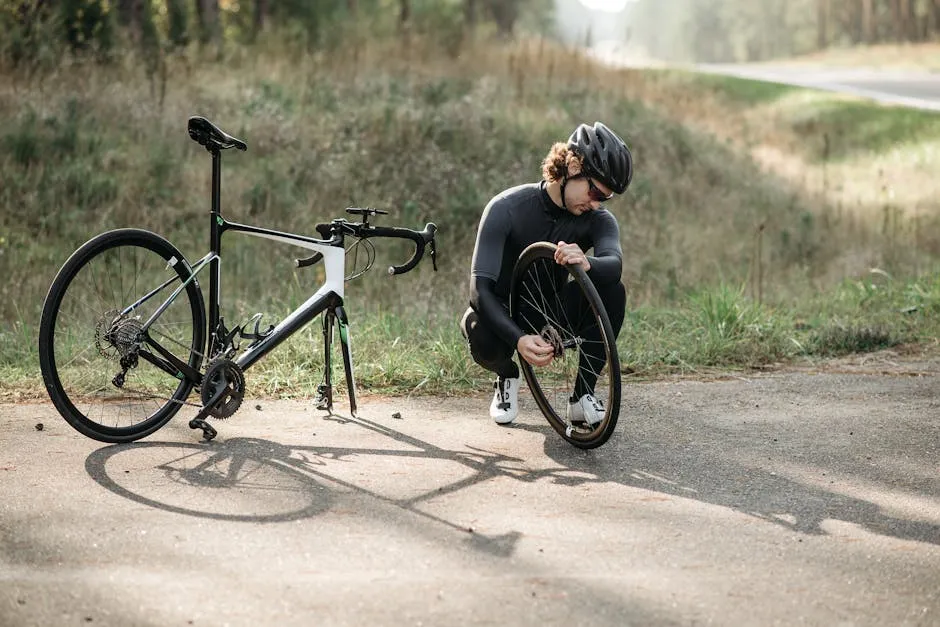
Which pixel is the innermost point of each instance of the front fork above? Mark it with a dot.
(336, 316)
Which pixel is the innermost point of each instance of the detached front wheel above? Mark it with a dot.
(561, 304)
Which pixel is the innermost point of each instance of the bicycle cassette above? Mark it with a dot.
(225, 375)
(551, 335)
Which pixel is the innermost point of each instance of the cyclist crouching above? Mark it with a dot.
(565, 208)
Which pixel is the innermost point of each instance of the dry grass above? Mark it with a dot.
(920, 56)
(727, 175)
(875, 187)
(713, 171)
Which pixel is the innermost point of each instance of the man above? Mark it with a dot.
(565, 207)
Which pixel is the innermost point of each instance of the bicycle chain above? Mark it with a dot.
(148, 394)
(113, 314)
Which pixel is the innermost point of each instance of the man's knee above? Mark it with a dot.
(487, 349)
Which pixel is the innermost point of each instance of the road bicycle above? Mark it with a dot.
(125, 335)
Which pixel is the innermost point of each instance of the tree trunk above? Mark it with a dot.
(404, 13)
(505, 13)
(207, 13)
(908, 26)
(470, 12)
(822, 24)
(933, 23)
(867, 22)
(260, 16)
(130, 15)
(896, 19)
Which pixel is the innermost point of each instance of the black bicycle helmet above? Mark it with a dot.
(604, 156)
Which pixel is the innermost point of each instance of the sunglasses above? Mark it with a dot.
(595, 193)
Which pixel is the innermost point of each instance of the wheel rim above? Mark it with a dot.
(91, 336)
(540, 288)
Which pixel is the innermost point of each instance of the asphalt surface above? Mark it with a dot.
(788, 498)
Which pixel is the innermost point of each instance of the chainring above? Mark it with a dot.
(223, 373)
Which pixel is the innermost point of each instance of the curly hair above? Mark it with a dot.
(560, 162)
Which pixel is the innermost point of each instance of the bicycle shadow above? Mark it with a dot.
(285, 483)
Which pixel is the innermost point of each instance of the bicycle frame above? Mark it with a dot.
(328, 296)
(213, 360)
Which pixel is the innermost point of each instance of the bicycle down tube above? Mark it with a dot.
(89, 353)
(330, 294)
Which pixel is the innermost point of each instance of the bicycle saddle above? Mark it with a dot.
(207, 134)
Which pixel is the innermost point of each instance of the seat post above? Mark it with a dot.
(215, 246)
(216, 179)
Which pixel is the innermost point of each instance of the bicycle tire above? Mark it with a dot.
(83, 339)
(536, 297)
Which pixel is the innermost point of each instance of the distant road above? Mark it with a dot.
(916, 89)
(919, 89)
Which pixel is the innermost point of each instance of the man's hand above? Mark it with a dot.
(571, 253)
(535, 350)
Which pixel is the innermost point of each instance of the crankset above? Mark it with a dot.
(223, 388)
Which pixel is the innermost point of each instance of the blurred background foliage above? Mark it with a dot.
(764, 222)
(685, 30)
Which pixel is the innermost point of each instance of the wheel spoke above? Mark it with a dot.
(560, 304)
(90, 353)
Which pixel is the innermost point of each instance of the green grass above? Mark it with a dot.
(432, 137)
(743, 92)
(718, 329)
(859, 127)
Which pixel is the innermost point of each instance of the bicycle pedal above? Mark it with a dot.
(324, 398)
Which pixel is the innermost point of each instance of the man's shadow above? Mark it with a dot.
(674, 452)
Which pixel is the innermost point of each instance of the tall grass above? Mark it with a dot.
(431, 134)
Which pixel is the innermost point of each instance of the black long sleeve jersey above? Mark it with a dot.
(521, 216)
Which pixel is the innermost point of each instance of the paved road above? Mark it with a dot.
(919, 90)
(805, 498)
(911, 88)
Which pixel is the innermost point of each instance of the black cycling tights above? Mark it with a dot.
(495, 355)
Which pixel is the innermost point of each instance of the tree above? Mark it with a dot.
(822, 23)
(177, 27)
(505, 13)
(404, 13)
(88, 24)
(260, 16)
(868, 22)
(207, 17)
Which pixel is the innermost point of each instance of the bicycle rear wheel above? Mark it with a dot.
(101, 367)
(561, 304)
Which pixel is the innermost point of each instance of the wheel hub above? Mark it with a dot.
(551, 335)
(117, 336)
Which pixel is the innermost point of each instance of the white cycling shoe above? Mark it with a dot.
(505, 405)
(586, 409)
